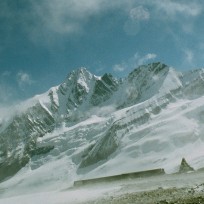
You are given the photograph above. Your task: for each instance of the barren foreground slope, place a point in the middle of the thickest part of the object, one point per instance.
(158, 196)
(168, 189)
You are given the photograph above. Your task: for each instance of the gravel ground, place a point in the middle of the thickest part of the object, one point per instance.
(185, 188)
(194, 195)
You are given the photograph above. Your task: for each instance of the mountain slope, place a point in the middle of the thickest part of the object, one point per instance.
(91, 126)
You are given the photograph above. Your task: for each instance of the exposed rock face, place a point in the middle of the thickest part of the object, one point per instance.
(185, 167)
(193, 83)
(151, 86)
(74, 90)
(102, 149)
(104, 89)
(20, 135)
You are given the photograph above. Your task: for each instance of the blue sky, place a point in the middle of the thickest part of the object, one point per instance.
(41, 41)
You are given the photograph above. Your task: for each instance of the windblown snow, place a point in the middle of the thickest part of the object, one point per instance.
(91, 126)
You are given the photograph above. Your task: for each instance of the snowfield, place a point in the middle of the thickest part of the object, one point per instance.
(157, 189)
(91, 127)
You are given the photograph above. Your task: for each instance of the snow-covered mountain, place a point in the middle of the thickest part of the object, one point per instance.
(91, 126)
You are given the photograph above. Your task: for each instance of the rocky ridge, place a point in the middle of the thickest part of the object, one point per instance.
(148, 89)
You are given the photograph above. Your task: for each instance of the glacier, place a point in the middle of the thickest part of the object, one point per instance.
(92, 126)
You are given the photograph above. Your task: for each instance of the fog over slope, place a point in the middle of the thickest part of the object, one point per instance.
(92, 126)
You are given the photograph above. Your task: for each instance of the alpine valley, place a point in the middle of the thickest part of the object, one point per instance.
(92, 126)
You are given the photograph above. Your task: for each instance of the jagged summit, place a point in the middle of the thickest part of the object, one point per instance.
(80, 76)
(78, 73)
(148, 75)
(155, 67)
(102, 123)
(185, 167)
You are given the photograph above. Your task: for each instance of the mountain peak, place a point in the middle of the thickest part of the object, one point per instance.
(82, 70)
(80, 76)
(149, 69)
(78, 73)
(89, 118)
(155, 67)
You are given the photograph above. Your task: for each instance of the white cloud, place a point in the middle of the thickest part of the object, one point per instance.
(134, 62)
(180, 12)
(47, 20)
(136, 16)
(119, 67)
(24, 79)
(102, 111)
(172, 8)
(66, 17)
(145, 59)
(139, 13)
(189, 56)
(6, 93)
(10, 92)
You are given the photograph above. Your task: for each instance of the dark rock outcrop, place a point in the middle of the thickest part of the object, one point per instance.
(102, 149)
(185, 167)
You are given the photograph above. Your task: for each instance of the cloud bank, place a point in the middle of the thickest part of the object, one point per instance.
(13, 85)
(174, 8)
(46, 20)
(134, 62)
(24, 78)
